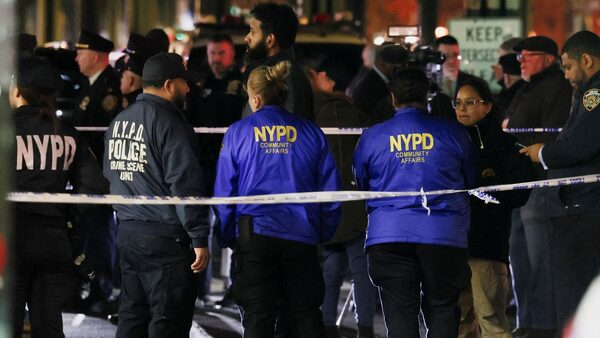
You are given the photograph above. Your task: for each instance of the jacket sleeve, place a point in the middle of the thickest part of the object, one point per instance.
(580, 146)
(516, 168)
(226, 185)
(184, 176)
(329, 180)
(360, 166)
(86, 175)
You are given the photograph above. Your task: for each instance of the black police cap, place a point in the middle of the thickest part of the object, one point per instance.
(93, 41)
(538, 44)
(510, 64)
(164, 66)
(135, 63)
(139, 44)
(35, 72)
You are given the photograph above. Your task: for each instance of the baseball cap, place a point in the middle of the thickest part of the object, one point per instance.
(538, 44)
(164, 66)
(93, 41)
(35, 72)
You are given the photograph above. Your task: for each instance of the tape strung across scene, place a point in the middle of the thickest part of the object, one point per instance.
(305, 197)
(338, 131)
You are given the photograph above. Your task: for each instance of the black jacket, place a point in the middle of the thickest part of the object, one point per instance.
(299, 100)
(47, 157)
(499, 163)
(333, 110)
(543, 102)
(372, 96)
(577, 150)
(152, 150)
(98, 105)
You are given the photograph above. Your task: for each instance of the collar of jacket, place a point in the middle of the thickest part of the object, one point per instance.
(482, 130)
(277, 109)
(552, 69)
(408, 110)
(283, 55)
(27, 110)
(168, 105)
(589, 83)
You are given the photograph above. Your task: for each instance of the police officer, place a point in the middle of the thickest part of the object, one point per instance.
(575, 152)
(152, 150)
(100, 98)
(417, 245)
(275, 246)
(49, 154)
(100, 101)
(139, 49)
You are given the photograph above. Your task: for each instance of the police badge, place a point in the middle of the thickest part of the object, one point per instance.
(84, 103)
(591, 99)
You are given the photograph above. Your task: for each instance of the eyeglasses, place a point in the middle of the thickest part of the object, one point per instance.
(525, 57)
(467, 103)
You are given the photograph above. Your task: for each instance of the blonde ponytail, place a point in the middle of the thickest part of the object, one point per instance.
(269, 82)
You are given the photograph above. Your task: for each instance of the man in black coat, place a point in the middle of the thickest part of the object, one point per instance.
(372, 94)
(575, 152)
(542, 102)
(453, 76)
(273, 29)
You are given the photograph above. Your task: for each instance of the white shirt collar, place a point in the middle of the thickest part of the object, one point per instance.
(95, 77)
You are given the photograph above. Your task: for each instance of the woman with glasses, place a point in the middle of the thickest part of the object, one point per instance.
(49, 155)
(484, 305)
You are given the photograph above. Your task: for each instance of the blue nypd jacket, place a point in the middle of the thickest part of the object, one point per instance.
(269, 152)
(415, 150)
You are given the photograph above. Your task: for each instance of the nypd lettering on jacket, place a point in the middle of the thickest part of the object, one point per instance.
(411, 148)
(275, 139)
(127, 149)
(54, 152)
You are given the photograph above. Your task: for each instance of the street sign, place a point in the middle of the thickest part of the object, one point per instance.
(479, 40)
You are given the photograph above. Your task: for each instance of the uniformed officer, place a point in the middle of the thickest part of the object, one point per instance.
(100, 101)
(575, 152)
(100, 98)
(48, 155)
(152, 150)
(275, 246)
(416, 246)
(139, 49)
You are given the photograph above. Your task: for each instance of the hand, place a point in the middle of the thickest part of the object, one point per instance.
(532, 151)
(202, 257)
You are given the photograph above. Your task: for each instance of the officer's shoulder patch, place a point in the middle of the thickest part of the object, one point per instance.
(109, 103)
(591, 99)
(233, 86)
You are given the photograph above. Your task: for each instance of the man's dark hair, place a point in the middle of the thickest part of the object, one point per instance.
(446, 40)
(409, 85)
(220, 37)
(583, 42)
(160, 37)
(280, 20)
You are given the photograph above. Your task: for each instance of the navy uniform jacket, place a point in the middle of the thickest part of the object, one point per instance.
(269, 152)
(576, 151)
(151, 150)
(415, 150)
(98, 105)
(48, 156)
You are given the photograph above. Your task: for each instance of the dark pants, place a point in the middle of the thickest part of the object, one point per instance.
(43, 277)
(268, 271)
(99, 226)
(158, 287)
(411, 277)
(577, 260)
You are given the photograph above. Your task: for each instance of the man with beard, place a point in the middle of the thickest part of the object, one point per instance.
(575, 152)
(152, 150)
(273, 29)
